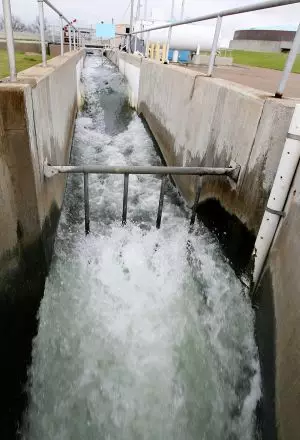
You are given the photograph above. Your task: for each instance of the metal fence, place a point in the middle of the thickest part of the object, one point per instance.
(164, 171)
(75, 37)
(219, 16)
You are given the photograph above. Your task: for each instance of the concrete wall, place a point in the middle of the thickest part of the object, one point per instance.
(209, 122)
(54, 49)
(36, 118)
(129, 66)
(24, 46)
(260, 45)
(37, 115)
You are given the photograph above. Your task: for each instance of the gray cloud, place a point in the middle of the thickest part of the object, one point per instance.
(91, 11)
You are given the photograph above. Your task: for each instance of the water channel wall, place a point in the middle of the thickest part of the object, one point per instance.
(201, 121)
(37, 116)
(37, 120)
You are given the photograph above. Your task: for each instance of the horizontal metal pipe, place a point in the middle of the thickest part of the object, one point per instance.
(99, 169)
(59, 13)
(233, 11)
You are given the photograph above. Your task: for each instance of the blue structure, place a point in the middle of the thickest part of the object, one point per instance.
(184, 56)
(105, 31)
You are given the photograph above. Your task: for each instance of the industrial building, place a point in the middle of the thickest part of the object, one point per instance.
(263, 39)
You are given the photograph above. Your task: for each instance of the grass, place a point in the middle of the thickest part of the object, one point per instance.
(22, 62)
(274, 61)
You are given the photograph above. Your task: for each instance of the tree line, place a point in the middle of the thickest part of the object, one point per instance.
(19, 26)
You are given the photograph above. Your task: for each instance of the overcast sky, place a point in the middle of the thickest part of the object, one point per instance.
(91, 11)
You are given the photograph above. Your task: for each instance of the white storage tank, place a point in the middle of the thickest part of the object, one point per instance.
(185, 37)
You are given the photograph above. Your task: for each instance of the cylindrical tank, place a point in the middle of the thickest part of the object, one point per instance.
(185, 37)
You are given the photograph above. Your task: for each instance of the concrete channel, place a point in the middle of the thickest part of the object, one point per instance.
(186, 119)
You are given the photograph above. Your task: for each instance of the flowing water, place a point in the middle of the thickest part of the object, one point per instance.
(143, 334)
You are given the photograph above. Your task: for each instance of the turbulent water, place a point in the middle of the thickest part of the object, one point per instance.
(143, 334)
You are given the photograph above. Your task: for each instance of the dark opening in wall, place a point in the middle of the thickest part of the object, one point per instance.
(236, 240)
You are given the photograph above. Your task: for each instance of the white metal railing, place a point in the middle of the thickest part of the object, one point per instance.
(75, 37)
(219, 15)
(49, 171)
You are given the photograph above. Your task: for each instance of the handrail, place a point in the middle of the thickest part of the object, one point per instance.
(62, 17)
(234, 11)
(10, 37)
(164, 171)
(225, 13)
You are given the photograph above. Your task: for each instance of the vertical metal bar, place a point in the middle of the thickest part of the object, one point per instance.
(161, 201)
(9, 39)
(214, 46)
(196, 201)
(168, 43)
(61, 36)
(86, 203)
(42, 31)
(74, 38)
(147, 45)
(70, 38)
(135, 42)
(125, 198)
(289, 64)
(182, 10)
(172, 18)
(170, 31)
(131, 24)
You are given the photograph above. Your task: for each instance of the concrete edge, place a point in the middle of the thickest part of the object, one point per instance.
(37, 73)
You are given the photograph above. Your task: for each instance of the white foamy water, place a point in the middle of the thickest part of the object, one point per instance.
(143, 334)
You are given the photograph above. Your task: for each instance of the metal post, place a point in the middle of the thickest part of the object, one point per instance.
(61, 36)
(161, 201)
(135, 43)
(196, 201)
(137, 17)
(9, 39)
(214, 46)
(289, 64)
(182, 10)
(170, 31)
(42, 31)
(125, 198)
(70, 38)
(86, 203)
(168, 44)
(74, 38)
(131, 23)
(147, 45)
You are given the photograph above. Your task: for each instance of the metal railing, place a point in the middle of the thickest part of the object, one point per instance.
(228, 12)
(164, 171)
(77, 37)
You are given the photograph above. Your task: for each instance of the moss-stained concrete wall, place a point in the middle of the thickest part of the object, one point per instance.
(37, 115)
(200, 121)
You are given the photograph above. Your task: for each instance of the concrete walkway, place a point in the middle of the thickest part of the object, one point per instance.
(256, 77)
